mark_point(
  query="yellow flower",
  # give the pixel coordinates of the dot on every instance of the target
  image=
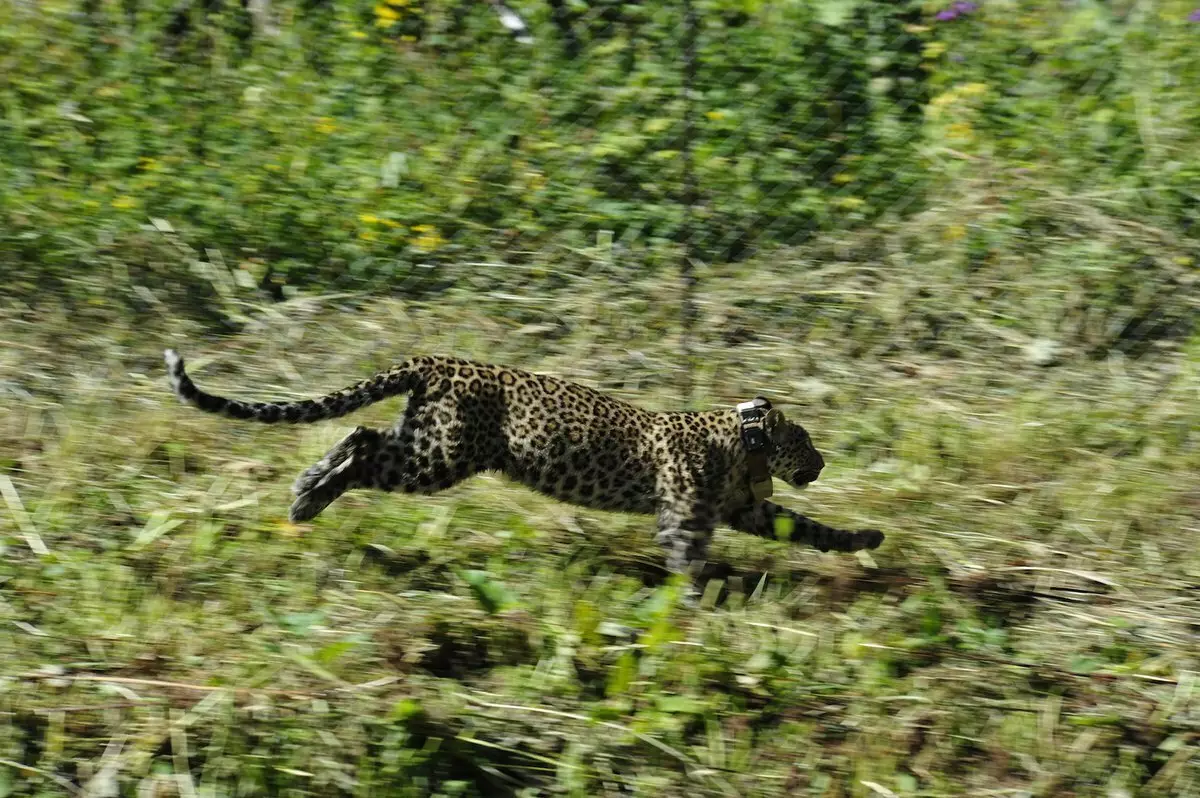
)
(428, 243)
(368, 235)
(386, 12)
(368, 218)
(938, 104)
(954, 232)
(851, 203)
(715, 115)
(973, 89)
(960, 131)
(933, 50)
(842, 178)
(325, 125)
(358, 34)
(429, 238)
(124, 202)
(288, 529)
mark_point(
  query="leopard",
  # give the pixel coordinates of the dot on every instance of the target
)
(692, 470)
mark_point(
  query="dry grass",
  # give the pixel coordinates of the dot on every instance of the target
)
(1029, 627)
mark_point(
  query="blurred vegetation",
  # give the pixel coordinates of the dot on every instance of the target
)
(362, 145)
(1028, 628)
(957, 240)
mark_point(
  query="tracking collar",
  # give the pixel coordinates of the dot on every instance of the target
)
(757, 443)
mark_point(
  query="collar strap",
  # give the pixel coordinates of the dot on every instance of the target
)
(757, 443)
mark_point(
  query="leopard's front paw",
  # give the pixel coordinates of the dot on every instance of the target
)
(869, 538)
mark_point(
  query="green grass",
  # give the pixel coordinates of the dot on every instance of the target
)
(1028, 628)
(1031, 625)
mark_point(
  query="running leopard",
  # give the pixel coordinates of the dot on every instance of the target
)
(694, 470)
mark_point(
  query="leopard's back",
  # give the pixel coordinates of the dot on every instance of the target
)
(561, 438)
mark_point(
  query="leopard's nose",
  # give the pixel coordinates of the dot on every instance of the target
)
(803, 477)
(809, 473)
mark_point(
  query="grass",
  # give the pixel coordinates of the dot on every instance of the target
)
(1028, 628)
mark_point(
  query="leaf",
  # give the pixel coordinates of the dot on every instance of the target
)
(313, 668)
(1110, 719)
(491, 594)
(299, 622)
(879, 789)
(622, 675)
(159, 524)
(328, 654)
(657, 125)
(681, 705)
(784, 526)
(834, 13)
(406, 708)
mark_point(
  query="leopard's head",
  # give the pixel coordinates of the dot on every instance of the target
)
(794, 459)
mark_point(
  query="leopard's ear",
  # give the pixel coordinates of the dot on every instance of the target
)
(774, 421)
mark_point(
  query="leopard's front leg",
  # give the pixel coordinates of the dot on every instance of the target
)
(685, 528)
(761, 519)
(685, 536)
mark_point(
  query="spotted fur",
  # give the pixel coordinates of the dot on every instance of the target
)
(560, 438)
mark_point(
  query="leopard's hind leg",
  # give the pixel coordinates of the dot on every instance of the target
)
(344, 467)
(421, 454)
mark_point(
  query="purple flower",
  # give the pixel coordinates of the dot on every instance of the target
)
(1194, 16)
(957, 10)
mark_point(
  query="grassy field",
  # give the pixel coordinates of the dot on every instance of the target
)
(989, 326)
(1028, 628)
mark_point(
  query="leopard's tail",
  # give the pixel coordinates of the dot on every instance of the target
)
(397, 380)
